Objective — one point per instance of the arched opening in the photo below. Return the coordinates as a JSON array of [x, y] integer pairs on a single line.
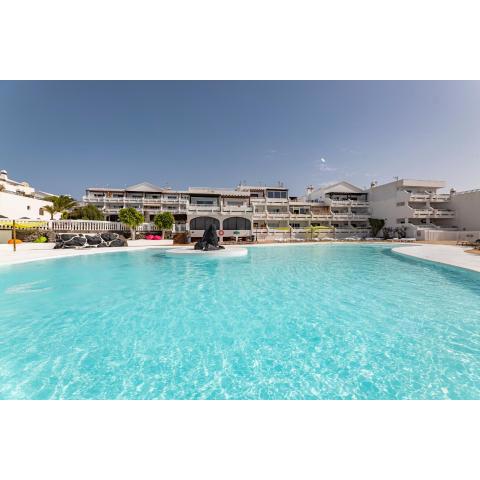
[[202, 223], [237, 223]]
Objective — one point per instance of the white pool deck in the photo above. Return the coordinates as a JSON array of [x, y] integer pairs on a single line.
[[446, 254], [30, 252]]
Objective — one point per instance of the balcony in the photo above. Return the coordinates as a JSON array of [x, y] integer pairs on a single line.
[[421, 212], [440, 197], [237, 209], [353, 203], [263, 200], [350, 216], [434, 197], [300, 215], [192, 208], [443, 213], [432, 212]]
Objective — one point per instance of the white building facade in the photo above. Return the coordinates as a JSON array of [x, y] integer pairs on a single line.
[[467, 207], [413, 204], [18, 200], [246, 211]]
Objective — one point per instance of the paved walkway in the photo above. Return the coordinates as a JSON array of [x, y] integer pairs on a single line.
[[30, 252], [447, 254]]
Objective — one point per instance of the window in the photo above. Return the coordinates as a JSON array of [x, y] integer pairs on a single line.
[[236, 223], [28, 207], [400, 204], [300, 211], [202, 223], [277, 194], [40, 211]]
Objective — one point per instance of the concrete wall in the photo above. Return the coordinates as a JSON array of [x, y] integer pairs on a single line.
[[17, 206], [383, 204], [5, 236], [446, 235], [467, 207]]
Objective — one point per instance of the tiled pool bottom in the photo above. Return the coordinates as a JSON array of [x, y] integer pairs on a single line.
[[319, 321]]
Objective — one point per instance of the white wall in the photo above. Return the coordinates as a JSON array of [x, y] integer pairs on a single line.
[[445, 235], [17, 206], [383, 204], [467, 207]]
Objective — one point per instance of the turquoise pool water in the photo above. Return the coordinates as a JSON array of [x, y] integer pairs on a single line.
[[290, 322]]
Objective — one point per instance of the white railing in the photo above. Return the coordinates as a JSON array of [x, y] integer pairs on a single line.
[[353, 203], [94, 226], [139, 200], [237, 209], [300, 215], [434, 197], [444, 213], [88, 226], [422, 212], [418, 197], [349, 216], [440, 197], [203, 208], [274, 216]]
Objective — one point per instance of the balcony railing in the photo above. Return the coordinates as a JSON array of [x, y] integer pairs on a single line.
[[443, 213], [203, 208], [440, 197], [349, 216], [353, 203], [237, 209], [434, 197], [431, 212], [125, 200], [421, 212]]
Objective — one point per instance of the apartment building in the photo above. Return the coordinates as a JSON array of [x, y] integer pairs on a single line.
[[241, 212], [349, 206], [414, 204], [193, 209], [19, 200], [342, 208]]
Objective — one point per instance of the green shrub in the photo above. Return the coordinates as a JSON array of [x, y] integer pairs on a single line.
[[40, 240]]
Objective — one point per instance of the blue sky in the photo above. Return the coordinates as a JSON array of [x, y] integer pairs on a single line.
[[65, 136]]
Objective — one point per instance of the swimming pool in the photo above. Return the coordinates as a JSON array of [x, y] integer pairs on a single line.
[[287, 322]]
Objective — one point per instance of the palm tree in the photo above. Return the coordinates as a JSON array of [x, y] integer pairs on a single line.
[[62, 203], [51, 210]]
